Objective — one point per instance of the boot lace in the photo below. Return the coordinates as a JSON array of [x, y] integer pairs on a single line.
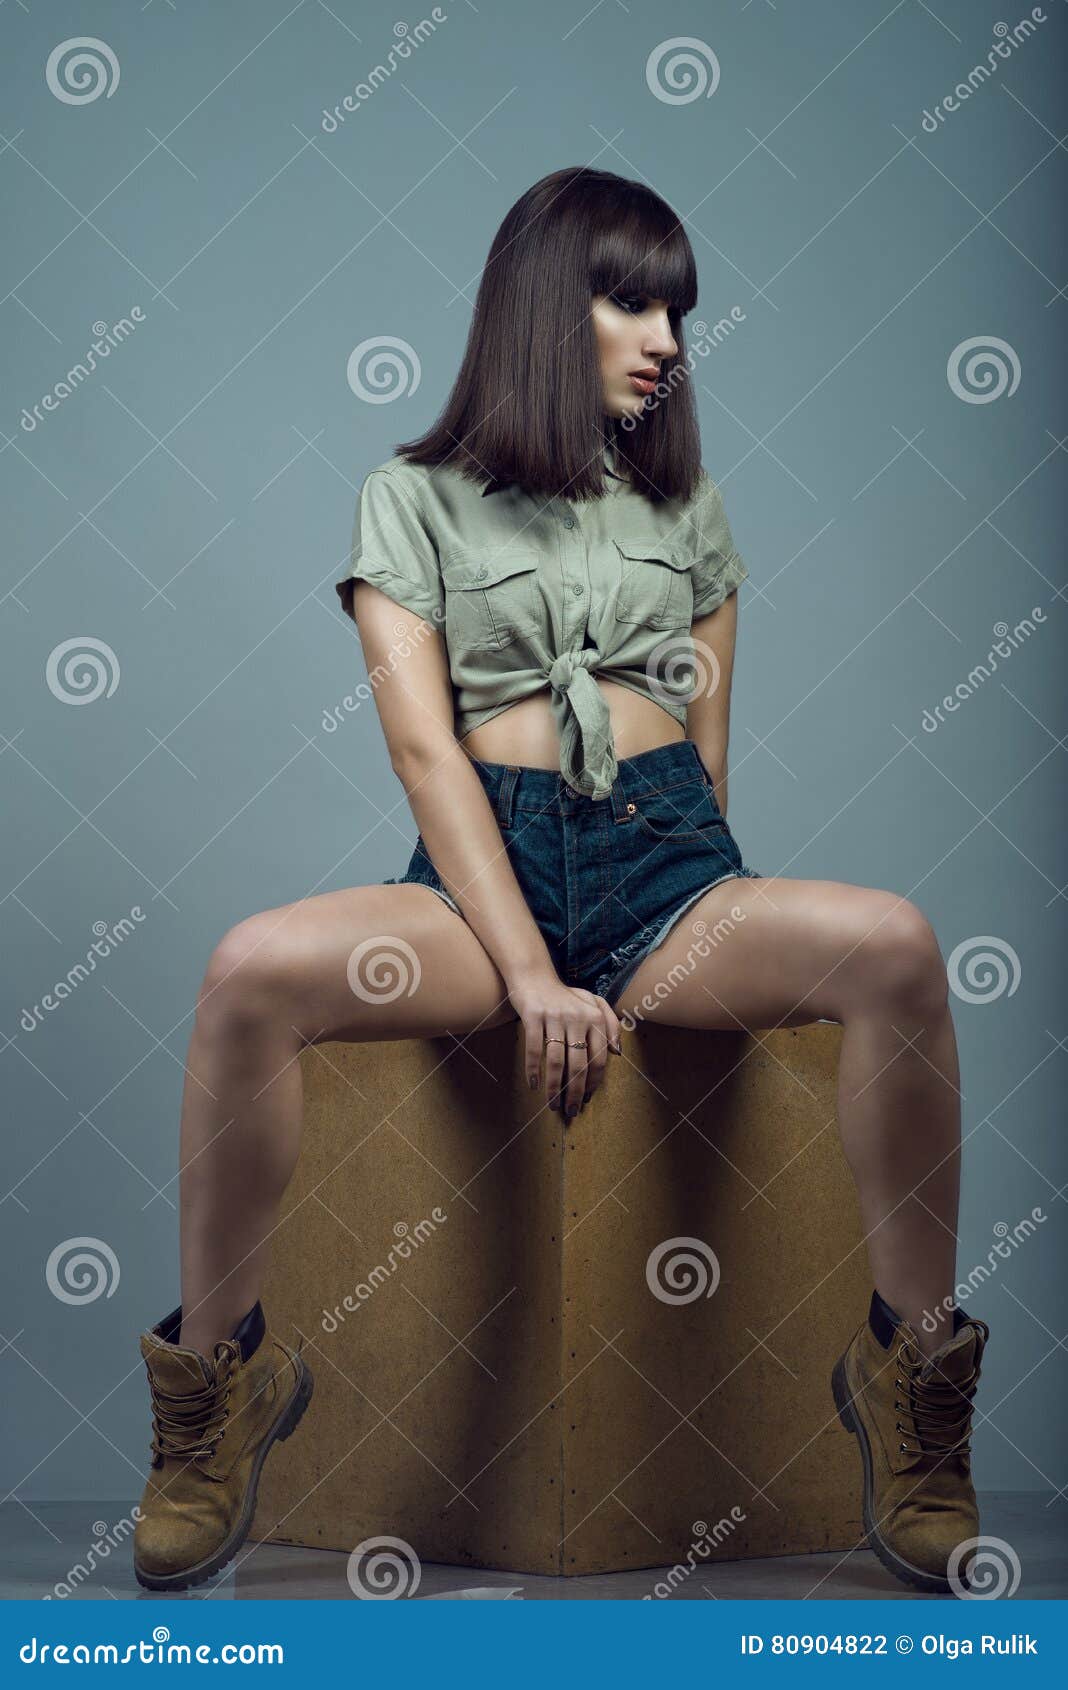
[[192, 1423], [939, 1409]]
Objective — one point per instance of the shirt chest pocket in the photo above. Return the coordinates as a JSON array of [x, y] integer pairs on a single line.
[[491, 596], [655, 585]]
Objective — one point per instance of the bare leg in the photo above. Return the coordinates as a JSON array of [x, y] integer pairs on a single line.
[[276, 982], [812, 949]]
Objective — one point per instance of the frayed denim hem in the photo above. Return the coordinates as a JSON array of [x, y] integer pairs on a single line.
[[624, 961], [413, 880]]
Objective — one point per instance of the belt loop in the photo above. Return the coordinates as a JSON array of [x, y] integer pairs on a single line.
[[618, 800], [506, 795]]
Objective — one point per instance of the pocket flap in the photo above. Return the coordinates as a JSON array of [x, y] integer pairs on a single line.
[[484, 566], [671, 552]]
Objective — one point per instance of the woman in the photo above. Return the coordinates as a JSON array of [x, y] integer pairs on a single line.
[[545, 588]]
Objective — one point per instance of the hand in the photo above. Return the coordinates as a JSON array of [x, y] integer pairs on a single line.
[[558, 1021]]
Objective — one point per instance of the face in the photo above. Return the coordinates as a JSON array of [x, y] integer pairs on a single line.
[[634, 337]]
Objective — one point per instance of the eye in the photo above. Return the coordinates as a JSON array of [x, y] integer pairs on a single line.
[[635, 303]]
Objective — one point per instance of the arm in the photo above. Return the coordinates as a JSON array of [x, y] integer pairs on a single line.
[[408, 667], [708, 712]]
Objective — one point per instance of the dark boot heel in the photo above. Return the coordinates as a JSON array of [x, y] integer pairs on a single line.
[[302, 1397]]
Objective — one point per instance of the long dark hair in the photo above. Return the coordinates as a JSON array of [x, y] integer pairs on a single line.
[[527, 405]]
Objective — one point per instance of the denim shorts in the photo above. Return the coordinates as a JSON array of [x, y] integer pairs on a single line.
[[606, 879]]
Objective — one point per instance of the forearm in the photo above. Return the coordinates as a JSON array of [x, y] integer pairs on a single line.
[[461, 834]]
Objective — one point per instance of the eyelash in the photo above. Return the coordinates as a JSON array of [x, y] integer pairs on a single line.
[[625, 300]]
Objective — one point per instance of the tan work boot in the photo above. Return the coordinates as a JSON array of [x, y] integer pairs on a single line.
[[912, 1419], [213, 1425]]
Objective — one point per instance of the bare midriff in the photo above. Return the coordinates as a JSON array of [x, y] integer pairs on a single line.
[[526, 733]]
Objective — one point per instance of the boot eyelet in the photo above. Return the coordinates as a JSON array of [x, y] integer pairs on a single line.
[[903, 1447]]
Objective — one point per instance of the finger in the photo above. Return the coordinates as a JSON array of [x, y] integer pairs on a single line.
[[597, 1044], [533, 1040], [555, 1051], [577, 1065], [612, 1025]]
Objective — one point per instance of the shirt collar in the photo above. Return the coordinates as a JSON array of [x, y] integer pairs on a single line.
[[608, 459]]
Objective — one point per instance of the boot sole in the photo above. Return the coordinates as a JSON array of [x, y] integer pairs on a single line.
[[913, 1576], [287, 1422]]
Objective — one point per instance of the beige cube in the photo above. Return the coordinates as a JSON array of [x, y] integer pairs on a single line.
[[570, 1350]]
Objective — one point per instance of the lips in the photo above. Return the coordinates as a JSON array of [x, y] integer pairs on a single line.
[[644, 381]]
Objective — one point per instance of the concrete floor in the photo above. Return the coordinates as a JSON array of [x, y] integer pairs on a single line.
[[40, 1543]]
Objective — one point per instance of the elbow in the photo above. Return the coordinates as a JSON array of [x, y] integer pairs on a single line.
[[413, 759]]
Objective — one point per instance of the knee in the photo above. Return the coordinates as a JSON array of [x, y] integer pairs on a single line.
[[901, 961], [242, 981]]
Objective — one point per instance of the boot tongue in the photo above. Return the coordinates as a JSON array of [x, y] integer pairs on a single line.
[[174, 1368], [954, 1361]]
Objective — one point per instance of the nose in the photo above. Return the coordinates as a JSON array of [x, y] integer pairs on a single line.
[[660, 343]]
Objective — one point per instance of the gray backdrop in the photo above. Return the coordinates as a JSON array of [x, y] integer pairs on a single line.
[[883, 409]]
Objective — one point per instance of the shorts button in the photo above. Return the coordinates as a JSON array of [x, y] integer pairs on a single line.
[[631, 809]]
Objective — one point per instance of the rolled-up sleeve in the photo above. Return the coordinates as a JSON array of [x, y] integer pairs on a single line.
[[393, 549], [718, 567]]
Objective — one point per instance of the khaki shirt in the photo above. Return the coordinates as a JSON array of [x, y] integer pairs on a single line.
[[532, 592]]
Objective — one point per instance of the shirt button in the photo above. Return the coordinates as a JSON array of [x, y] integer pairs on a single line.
[[569, 522], [577, 590], [481, 576]]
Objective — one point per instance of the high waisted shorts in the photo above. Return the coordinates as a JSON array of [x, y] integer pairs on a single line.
[[606, 879]]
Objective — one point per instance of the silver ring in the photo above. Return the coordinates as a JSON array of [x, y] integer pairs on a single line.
[[576, 1044]]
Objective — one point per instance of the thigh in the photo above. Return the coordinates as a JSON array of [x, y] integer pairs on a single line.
[[364, 963], [762, 953]]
